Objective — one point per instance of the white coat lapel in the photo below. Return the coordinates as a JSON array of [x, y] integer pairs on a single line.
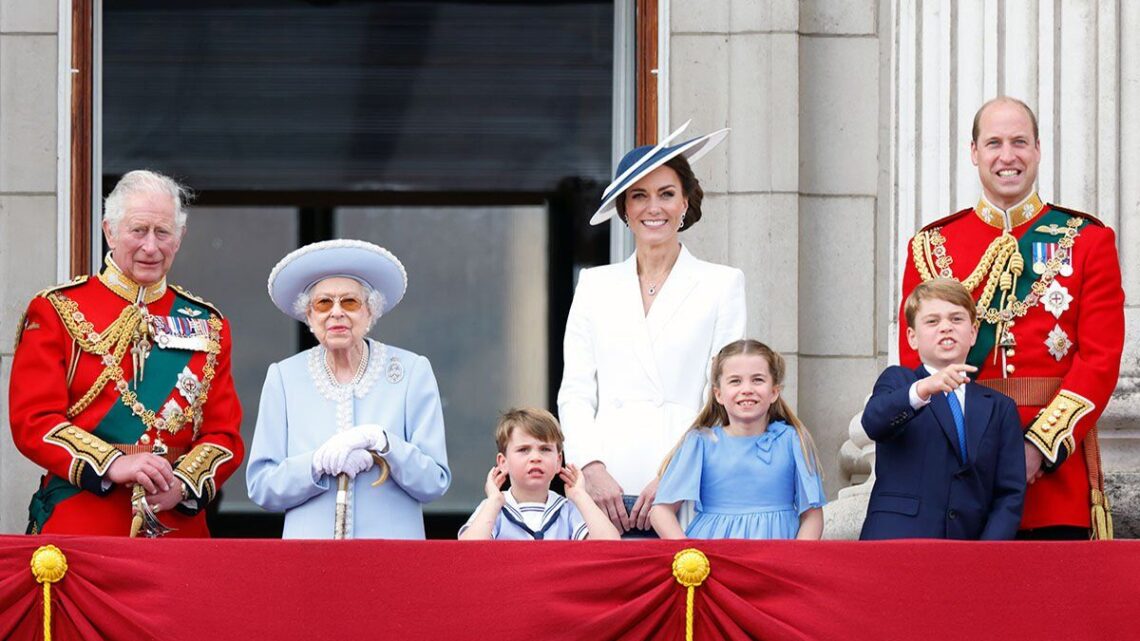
[[682, 281], [628, 295]]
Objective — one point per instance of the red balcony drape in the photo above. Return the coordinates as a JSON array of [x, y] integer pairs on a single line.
[[189, 590]]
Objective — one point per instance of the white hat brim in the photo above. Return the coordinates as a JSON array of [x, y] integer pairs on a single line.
[[692, 150], [368, 263]]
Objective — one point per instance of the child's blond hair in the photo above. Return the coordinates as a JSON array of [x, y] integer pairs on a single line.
[[944, 289], [537, 422], [713, 413]]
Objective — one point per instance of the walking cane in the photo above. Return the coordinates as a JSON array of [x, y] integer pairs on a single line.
[[341, 506]]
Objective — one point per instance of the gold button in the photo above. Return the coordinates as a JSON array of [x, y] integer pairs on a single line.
[[1052, 420], [1063, 406], [1009, 368], [1057, 413]]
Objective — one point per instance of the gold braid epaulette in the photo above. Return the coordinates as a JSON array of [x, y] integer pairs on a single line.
[[197, 299], [111, 345], [1000, 266], [78, 280]]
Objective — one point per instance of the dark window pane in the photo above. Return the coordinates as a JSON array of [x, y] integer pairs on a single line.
[[410, 96]]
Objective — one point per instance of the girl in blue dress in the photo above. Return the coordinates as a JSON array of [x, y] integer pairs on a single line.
[[748, 464]]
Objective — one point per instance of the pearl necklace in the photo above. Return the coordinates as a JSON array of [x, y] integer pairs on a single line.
[[360, 369]]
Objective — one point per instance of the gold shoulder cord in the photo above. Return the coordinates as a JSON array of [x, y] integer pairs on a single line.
[[1000, 266], [111, 346]]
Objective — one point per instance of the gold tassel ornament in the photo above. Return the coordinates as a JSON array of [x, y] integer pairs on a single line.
[[690, 568], [49, 565]]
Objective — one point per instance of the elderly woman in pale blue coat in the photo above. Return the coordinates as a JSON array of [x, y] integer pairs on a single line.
[[351, 411]]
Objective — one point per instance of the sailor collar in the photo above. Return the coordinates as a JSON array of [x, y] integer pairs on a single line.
[[121, 284], [1019, 214]]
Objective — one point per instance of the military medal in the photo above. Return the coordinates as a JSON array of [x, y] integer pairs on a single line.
[[1042, 252], [1066, 269], [1056, 299], [188, 385], [176, 332], [1058, 343]]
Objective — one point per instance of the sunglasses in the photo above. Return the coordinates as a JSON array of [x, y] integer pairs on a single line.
[[325, 303]]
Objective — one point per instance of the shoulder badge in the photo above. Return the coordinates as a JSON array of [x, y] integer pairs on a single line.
[[24, 325], [1080, 214], [201, 301], [74, 282], [942, 221]]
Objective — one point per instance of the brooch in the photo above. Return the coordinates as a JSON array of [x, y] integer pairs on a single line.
[[395, 370], [1058, 343]]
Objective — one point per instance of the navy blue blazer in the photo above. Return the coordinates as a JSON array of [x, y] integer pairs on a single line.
[[922, 489]]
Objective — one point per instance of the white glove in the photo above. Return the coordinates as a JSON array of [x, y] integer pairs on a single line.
[[358, 462], [330, 457]]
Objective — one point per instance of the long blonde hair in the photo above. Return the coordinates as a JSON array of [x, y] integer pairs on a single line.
[[713, 413]]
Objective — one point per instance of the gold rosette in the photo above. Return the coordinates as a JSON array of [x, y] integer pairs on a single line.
[[690, 568], [49, 565]]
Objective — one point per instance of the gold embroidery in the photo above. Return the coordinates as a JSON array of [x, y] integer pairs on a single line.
[[197, 469], [1004, 264], [111, 346], [84, 447], [121, 284], [1053, 427], [1019, 214]]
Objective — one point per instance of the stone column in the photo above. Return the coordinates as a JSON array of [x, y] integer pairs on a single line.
[[1068, 60], [29, 233], [794, 194]]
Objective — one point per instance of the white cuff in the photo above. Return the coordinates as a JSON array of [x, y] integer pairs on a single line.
[[916, 401]]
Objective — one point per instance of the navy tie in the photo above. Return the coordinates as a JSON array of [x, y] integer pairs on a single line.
[[959, 422]]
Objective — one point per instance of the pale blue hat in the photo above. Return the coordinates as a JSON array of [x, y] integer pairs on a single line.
[[640, 161], [363, 261]]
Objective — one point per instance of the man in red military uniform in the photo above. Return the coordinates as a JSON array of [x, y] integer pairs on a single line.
[[121, 385], [1051, 313]]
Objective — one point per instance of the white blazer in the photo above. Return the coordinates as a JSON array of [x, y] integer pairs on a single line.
[[633, 383]]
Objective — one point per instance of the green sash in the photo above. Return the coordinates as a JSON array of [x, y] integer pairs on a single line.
[[120, 425], [987, 332]]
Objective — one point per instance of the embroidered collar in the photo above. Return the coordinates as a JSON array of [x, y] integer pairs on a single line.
[[337, 392], [121, 284], [1019, 214], [554, 502]]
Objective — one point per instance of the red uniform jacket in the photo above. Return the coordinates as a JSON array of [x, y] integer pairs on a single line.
[[67, 407], [1060, 357]]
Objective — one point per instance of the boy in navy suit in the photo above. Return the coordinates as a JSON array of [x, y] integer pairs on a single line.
[[950, 463]]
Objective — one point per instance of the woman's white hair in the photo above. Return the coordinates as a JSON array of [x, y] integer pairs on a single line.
[[144, 181], [373, 298]]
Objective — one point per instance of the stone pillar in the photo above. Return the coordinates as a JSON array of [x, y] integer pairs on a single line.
[[794, 194], [29, 233], [1068, 60]]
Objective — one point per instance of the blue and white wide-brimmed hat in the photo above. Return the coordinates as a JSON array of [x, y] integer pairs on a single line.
[[639, 162], [356, 259]]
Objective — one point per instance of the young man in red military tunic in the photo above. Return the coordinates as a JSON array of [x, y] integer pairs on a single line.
[[121, 385], [1051, 314]]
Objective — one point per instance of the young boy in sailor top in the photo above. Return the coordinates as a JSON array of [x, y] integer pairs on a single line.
[[530, 453]]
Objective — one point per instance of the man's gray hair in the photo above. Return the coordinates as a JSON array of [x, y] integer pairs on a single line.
[[144, 181], [372, 298]]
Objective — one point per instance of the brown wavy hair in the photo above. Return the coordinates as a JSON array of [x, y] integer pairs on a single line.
[[713, 413], [690, 189]]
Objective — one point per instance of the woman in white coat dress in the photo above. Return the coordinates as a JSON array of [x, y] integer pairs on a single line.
[[641, 333]]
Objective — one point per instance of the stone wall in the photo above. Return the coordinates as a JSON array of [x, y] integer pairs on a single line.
[[795, 195], [28, 218], [1073, 62]]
